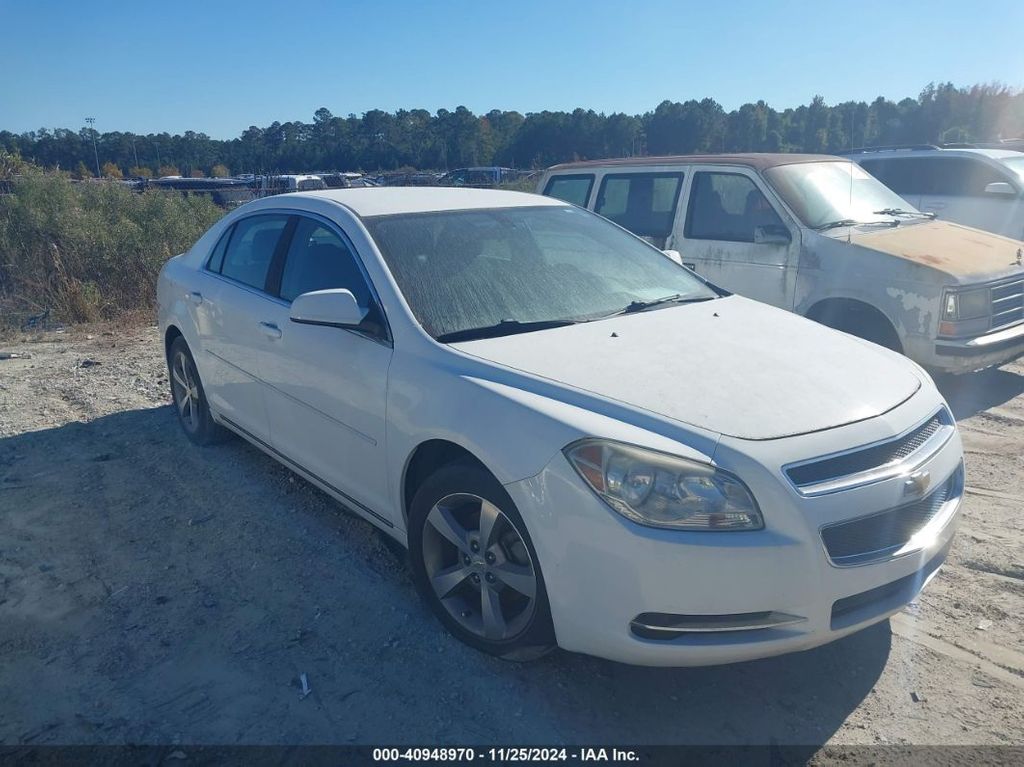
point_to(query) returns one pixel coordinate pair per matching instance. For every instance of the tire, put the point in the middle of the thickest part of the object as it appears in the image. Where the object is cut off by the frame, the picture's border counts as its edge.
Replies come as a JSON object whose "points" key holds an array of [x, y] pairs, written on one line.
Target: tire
{"points": [[189, 397], [467, 584]]}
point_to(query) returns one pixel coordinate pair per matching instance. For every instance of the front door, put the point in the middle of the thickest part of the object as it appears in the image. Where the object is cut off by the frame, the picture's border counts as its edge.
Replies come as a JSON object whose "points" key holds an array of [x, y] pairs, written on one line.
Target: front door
{"points": [[734, 236], [327, 386]]}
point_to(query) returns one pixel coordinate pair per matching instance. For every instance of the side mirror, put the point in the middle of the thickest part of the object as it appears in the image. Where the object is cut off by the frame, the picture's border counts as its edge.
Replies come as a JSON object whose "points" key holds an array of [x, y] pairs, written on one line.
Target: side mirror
{"points": [[772, 235], [336, 307], [1000, 187], [674, 255]]}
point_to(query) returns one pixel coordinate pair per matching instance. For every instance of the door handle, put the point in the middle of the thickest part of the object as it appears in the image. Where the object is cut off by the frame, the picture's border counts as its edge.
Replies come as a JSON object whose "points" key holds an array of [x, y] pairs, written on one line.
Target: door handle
{"points": [[195, 297], [270, 330]]}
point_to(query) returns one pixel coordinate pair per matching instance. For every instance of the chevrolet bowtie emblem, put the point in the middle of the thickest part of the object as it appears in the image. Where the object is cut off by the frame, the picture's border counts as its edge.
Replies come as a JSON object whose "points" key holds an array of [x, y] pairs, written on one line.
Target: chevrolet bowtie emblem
{"points": [[917, 484]]}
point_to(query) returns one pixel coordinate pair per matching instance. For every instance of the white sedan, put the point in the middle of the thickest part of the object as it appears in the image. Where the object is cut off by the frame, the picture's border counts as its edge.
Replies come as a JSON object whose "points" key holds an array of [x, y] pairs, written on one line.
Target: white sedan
{"points": [[580, 442]]}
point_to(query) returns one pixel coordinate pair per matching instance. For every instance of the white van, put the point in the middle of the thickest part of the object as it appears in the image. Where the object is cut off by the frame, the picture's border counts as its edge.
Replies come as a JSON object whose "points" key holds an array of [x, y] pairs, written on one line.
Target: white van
{"points": [[819, 236], [983, 188]]}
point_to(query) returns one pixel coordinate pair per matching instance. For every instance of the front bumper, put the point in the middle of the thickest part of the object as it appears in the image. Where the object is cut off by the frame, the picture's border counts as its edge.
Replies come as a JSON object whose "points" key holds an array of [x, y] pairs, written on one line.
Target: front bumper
{"points": [[602, 572], [963, 356]]}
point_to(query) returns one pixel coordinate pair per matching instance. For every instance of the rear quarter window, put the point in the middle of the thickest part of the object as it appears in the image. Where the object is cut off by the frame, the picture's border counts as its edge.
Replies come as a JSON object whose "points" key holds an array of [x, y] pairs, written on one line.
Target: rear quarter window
{"points": [[574, 190]]}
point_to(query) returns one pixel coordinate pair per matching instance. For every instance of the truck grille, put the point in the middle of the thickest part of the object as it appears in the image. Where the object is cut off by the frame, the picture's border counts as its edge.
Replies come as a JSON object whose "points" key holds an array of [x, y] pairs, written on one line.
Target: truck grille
{"points": [[1007, 303], [871, 463], [877, 536]]}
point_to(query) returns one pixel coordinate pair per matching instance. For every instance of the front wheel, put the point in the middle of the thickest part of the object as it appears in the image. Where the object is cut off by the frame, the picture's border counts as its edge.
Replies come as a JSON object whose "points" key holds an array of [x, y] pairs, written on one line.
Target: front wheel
{"points": [[474, 564]]}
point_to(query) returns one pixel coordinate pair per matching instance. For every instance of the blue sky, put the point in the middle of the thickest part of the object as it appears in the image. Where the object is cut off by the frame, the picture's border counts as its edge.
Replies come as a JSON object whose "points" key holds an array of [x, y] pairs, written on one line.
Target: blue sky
{"points": [[218, 66]]}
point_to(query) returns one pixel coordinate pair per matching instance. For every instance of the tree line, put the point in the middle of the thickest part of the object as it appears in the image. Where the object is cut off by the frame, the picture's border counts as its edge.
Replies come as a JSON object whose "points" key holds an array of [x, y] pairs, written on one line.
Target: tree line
{"points": [[383, 141]]}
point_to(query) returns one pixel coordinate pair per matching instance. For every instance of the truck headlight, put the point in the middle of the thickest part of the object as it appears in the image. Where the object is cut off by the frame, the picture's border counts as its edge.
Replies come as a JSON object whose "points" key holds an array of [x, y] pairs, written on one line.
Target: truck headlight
{"points": [[966, 304], [660, 490]]}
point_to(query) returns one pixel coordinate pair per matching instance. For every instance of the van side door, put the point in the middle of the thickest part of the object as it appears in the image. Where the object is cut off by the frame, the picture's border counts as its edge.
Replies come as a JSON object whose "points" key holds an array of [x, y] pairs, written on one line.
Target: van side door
{"points": [[736, 236], [956, 191]]}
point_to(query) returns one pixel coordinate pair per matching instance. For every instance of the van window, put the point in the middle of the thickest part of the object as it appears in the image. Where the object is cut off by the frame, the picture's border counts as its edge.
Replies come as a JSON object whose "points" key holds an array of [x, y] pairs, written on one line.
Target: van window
{"points": [[318, 259], [897, 173], [251, 249], [574, 190], [957, 176], [643, 203], [728, 206]]}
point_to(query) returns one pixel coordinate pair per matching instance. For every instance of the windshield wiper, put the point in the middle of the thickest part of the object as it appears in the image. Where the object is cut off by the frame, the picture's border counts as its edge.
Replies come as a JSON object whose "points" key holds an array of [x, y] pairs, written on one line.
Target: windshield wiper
{"points": [[503, 328], [675, 298], [902, 212], [852, 222]]}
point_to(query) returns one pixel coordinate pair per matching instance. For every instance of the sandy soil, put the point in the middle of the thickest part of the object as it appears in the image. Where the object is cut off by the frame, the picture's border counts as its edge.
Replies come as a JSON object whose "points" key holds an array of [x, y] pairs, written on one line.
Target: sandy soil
{"points": [[154, 592]]}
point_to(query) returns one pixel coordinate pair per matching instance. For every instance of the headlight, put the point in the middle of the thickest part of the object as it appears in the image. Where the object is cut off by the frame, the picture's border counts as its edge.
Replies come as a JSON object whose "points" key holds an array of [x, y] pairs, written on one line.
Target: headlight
{"points": [[966, 304], [662, 490]]}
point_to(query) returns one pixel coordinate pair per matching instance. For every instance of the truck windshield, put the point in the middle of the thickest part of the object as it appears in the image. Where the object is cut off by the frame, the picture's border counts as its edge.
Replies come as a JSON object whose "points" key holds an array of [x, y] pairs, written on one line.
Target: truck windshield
{"points": [[498, 271], [823, 193]]}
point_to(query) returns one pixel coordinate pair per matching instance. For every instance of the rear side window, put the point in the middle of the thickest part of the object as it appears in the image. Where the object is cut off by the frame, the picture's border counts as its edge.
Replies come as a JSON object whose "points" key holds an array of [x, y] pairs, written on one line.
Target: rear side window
{"points": [[728, 206], [251, 249], [643, 203], [897, 174], [318, 259], [942, 176], [217, 257], [574, 190]]}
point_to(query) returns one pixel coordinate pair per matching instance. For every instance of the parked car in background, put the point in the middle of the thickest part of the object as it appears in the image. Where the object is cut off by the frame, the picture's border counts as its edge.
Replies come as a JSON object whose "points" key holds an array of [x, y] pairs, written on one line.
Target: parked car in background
{"points": [[225, 192], [819, 236], [481, 178], [289, 182], [573, 435], [983, 188]]}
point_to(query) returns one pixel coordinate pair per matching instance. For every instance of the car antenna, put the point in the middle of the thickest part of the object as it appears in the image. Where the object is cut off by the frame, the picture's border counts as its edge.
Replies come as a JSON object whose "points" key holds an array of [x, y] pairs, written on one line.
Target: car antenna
{"points": [[849, 230]]}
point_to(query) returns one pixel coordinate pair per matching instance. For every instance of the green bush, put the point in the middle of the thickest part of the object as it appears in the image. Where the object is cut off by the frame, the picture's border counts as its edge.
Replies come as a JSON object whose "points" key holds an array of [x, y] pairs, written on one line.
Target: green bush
{"points": [[88, 251]]}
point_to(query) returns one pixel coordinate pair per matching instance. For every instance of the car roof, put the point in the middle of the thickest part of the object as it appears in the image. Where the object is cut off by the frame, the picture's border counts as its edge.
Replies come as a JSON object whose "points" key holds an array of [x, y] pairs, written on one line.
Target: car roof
{"points": [[391, 200], [995, 154], [758, 160]]}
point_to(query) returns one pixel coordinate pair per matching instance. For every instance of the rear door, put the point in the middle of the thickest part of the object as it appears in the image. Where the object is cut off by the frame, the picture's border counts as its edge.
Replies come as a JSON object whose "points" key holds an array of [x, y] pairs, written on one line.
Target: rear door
{"points": [[734, 235], [229, 305], [327, 386]]}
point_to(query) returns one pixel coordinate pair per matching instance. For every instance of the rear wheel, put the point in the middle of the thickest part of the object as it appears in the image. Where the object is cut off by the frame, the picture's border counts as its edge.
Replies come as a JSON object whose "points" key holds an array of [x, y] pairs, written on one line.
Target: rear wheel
{"points": [[475, 565], [189, 397]]}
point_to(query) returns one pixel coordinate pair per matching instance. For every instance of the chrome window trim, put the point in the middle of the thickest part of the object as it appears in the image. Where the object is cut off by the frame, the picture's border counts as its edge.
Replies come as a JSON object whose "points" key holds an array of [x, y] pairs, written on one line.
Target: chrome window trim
{"points": [[930, 447]]}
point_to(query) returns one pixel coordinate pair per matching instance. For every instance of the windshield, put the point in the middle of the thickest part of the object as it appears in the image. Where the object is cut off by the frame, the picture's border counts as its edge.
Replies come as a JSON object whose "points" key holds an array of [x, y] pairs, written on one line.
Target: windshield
{"points": [[461, 270], [821, 193], [1016, 164]]}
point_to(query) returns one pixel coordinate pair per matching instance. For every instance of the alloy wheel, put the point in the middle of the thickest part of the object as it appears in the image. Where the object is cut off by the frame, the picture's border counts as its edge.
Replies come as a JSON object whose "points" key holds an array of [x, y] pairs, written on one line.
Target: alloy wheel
{"points": [[186, 391], [479, 567]]}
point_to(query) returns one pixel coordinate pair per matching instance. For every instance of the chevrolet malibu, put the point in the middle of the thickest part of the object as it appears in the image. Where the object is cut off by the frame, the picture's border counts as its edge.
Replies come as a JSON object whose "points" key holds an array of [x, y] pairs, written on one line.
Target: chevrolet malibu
{"points": [[580, 442]]}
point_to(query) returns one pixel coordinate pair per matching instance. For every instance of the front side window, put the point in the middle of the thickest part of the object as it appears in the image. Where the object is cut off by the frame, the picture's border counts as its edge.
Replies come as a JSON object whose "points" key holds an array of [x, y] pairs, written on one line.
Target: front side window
{"points": [[318, 259], [831, 192], [574, 190], [251, 249], [461, 270], [729, 206], [643, 203]]}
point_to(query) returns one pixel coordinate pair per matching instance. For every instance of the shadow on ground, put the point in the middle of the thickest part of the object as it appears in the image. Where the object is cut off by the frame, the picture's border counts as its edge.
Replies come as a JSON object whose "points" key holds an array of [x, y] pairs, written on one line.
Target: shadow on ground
{"points": [[973, 393], [154, 592]]}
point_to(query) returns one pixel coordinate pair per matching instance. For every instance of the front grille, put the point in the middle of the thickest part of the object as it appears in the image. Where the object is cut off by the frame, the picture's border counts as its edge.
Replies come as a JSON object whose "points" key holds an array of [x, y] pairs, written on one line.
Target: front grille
{"points": [[870, 463], [1007, 303], [877, 536]]}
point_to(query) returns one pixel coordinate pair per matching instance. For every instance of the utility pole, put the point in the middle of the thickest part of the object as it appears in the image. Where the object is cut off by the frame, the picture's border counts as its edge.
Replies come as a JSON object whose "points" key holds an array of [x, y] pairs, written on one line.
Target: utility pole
{"points": [[95, 151]]}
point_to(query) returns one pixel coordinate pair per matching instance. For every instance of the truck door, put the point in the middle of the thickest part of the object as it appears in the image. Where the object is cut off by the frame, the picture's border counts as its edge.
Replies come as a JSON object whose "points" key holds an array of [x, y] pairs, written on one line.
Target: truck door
{"points": [[734, 235]]}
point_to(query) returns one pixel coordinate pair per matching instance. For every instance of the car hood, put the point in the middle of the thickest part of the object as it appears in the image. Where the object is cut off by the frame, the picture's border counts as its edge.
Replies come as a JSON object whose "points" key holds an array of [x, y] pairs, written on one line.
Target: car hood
{"points": [[957, 250], [730, 366]]}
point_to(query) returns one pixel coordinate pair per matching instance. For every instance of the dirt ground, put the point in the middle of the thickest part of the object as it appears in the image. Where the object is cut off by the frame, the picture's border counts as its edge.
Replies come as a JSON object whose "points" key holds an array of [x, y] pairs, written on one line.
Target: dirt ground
{"points": [[155, 592]]}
